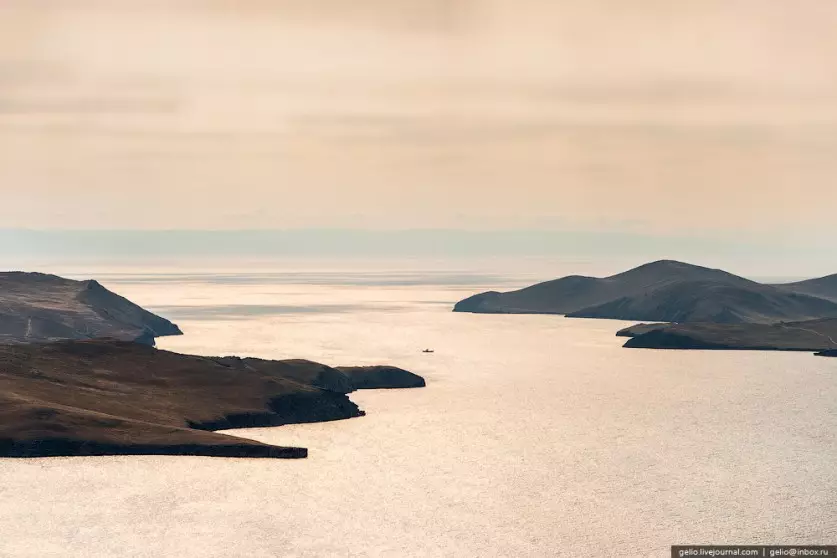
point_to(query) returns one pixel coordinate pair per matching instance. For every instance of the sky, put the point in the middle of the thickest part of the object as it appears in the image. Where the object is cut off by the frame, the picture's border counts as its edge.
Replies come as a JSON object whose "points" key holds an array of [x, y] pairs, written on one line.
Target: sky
{"points": [[702, 118]]}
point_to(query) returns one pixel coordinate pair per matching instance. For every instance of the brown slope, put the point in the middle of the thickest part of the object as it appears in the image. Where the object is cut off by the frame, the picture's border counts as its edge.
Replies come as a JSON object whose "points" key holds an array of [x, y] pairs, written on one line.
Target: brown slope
{"points": [[113, 397], [37, 307]]}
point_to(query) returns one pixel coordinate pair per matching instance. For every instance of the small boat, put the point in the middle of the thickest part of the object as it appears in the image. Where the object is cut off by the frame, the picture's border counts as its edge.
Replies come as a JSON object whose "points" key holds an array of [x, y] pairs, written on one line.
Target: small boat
{"points": [[428, 351]]}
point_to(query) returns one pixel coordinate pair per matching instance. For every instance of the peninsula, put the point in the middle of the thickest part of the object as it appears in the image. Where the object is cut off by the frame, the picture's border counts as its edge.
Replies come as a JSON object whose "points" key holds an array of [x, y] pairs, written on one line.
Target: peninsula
{"points": [[110, 397], [810, 336], [36, 307]]}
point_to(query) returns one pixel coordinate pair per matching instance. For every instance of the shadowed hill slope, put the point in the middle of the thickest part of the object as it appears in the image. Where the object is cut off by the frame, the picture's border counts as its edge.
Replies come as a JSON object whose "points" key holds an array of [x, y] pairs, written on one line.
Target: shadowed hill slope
{"points": [[660, 291], [36, 307], [823, 287], [113, 397], [712, 301]]}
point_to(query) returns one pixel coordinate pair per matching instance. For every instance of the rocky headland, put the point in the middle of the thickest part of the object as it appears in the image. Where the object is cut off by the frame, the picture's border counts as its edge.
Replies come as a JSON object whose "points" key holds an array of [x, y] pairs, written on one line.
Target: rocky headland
{"points": [[36, 307], [111, 397], [380, 377], [79, 375]]}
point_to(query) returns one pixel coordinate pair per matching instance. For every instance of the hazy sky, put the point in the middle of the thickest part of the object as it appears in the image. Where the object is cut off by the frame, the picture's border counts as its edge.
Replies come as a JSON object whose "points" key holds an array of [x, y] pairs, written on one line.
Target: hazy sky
{"points": [[660, 116]]}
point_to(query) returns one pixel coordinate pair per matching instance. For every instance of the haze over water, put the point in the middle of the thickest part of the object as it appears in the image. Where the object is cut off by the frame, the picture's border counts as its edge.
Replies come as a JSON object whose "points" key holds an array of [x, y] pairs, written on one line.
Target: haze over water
{"points": [[536, 435], [700, 117]]}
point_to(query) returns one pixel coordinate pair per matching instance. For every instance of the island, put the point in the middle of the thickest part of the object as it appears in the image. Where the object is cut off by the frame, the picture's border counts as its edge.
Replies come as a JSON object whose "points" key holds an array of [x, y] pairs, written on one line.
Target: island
{"points": [[666, 291], [116, 397], [37, 307]]}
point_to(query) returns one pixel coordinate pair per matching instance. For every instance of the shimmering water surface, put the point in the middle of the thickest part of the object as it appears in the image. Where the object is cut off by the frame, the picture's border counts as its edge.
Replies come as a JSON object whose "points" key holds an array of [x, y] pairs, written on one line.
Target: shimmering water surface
{"points": [[536, 436]]}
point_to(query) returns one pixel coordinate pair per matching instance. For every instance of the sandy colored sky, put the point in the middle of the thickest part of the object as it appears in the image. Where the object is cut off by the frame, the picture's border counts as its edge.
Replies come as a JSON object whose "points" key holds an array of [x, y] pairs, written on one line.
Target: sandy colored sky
{"points": [[649, 115]]}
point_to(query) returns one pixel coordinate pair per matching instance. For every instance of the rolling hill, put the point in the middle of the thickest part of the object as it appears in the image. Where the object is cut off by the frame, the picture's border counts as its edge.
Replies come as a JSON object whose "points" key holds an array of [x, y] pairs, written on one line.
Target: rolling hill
{"points": [[823, 287], [665, 291]]}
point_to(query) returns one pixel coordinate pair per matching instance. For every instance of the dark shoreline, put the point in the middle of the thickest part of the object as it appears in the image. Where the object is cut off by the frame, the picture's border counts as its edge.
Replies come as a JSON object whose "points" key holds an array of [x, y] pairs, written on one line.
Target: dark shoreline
{"points": [[810, 336], [74, 448]]}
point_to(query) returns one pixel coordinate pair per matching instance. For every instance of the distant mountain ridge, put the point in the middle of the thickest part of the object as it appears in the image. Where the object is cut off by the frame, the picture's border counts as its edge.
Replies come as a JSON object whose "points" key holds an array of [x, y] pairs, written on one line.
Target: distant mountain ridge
{"points": [[37, 307], [664, 291]]}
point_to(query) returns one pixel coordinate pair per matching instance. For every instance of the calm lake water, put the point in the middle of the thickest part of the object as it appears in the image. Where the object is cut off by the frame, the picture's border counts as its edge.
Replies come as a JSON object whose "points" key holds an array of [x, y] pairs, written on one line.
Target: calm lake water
{"points": [[536, 436]]}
